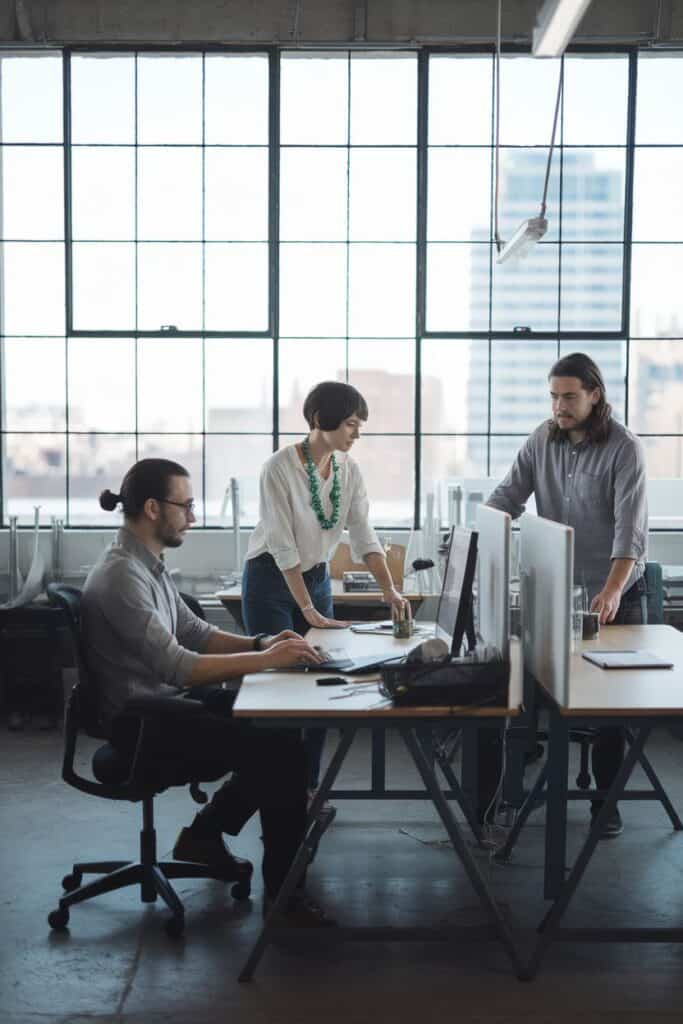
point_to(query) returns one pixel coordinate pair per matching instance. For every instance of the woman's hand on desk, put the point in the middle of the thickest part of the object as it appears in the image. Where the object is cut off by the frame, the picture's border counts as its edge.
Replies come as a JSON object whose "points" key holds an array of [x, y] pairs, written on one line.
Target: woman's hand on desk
{"points": [[292, 651], [400, 606], [318, 621]]}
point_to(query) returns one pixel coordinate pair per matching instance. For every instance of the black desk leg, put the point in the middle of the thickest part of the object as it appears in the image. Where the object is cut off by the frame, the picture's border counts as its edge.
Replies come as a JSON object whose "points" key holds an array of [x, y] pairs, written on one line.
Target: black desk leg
{"points": [[315, 827], [550, 923], [533, 800], [378, 738], [658, 788], [442, 759], [460, 846], [556, 805]]}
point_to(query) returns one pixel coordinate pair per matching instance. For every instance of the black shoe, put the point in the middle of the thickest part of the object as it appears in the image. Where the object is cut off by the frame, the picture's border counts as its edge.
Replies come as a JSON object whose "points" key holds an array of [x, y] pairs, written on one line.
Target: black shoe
{"points": [[614, 825], [303, 912], [213, 852]]}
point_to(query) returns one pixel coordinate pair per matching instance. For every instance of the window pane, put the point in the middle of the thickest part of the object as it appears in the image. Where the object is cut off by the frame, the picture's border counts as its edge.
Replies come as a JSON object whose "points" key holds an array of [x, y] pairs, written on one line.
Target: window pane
{"points": [[169, 385], [32, 192], [31, 98], [593, 194], [664, 458], [528, 91], [103, 193], [303, 364], [188, 450], [446, 379], [236, 98], [103, 287], [522, 176], [241, 457], [458, 278], [595, 99], [314, 100], [656, 295], [170, 99], [525, 292], [236, 287], [24, 264], [103, 98], [312, 290], [34, 473], [591, 287], [34, 393], [382, 195], [660, 80], [102, 384], [656, 388], [657, 195], [96, 462], [503, 453], [476, 401], [243, 400], [384, 373], [313, 187], [447, 459], [236, 194], [611, 358], [170, 194], [169, 286], [460, 99], [388, 468], [382, 290], [459, 212], [519, 384], [383, 100]]}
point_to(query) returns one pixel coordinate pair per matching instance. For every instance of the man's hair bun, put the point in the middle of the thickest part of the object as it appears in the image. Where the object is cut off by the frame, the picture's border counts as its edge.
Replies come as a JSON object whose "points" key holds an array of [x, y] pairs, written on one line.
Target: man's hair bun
{"points": [[109, 500]]}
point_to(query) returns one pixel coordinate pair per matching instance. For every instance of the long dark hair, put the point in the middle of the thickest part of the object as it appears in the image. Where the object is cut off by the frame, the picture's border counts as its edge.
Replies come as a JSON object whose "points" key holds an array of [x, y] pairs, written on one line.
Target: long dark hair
{"points": [[334, 402], [148, 478], [598, 424]]}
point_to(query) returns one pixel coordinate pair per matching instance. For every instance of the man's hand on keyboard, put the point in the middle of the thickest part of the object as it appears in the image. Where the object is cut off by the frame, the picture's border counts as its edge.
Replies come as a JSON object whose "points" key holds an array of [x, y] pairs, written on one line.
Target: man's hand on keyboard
{"points": [[290, 652], [318, 621]]}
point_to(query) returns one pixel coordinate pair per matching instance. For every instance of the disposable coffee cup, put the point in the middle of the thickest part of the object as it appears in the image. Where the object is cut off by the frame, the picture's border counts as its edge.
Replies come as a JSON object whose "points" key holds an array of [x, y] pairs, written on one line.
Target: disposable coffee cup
{"points": [[402, 628], [591, 625]]}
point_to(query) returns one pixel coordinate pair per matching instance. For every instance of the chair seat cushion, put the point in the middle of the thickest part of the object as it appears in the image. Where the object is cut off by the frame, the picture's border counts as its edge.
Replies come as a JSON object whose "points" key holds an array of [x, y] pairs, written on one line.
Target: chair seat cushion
{"points": [[111, 767]]}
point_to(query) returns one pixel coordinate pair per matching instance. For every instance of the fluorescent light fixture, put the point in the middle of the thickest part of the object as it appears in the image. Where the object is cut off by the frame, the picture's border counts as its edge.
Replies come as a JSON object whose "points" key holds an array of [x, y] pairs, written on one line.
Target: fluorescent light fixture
{"points": [[555, 25], [527, 234]]}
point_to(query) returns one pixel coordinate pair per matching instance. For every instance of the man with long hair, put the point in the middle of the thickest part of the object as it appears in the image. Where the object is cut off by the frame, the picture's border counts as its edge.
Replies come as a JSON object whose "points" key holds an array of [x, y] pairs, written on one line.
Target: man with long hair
{"points": [[587, 470]]}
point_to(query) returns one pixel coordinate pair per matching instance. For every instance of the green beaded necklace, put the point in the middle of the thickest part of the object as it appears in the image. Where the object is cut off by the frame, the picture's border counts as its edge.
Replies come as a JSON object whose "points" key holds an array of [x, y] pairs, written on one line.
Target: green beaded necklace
{"points": [[335, 493]]}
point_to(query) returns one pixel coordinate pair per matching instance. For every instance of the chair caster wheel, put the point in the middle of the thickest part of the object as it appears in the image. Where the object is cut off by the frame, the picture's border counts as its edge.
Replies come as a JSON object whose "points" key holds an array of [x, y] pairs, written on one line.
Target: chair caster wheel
{"points": [[71, 882], [241, 891], [58, 919], [174, 927]]}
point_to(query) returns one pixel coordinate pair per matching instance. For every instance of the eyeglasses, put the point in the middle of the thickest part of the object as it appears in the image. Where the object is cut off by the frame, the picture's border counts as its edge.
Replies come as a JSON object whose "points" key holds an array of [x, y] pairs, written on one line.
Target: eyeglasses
{"points": [[187, 505]]}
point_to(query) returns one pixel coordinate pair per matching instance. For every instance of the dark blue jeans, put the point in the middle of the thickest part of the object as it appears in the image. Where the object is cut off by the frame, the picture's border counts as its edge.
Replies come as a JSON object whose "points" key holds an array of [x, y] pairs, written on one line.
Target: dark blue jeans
{"points": [[268, 607]]}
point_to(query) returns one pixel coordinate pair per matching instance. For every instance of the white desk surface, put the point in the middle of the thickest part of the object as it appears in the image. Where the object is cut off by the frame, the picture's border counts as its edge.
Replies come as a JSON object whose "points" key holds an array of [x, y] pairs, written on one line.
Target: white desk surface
{"points": [[296, 695], [601, 691], [234, 593]]}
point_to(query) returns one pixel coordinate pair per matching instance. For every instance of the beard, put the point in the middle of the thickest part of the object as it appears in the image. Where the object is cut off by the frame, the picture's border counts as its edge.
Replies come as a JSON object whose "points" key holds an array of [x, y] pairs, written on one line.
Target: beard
{"points": [[168, 535]]}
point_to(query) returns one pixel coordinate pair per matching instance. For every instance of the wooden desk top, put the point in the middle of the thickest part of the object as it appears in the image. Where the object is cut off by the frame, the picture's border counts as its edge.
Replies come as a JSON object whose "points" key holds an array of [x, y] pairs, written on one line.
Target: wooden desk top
{"points": [[296, 695], [598, 691], [371, 597]]}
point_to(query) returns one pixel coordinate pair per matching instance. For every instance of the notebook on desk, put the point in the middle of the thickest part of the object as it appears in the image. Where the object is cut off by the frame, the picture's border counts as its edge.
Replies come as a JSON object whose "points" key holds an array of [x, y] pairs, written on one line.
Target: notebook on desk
{"points": [[626, 659]]}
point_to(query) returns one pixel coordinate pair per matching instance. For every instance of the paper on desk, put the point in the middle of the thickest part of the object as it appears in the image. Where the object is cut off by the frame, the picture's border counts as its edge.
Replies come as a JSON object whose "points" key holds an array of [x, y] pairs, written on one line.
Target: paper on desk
{"points": [[33, 584]]}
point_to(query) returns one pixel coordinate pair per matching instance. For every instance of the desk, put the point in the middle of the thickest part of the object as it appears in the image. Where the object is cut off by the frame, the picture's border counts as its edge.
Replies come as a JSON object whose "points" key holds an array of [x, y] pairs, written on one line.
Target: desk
{"points": [[639, 700], [293, 698]]}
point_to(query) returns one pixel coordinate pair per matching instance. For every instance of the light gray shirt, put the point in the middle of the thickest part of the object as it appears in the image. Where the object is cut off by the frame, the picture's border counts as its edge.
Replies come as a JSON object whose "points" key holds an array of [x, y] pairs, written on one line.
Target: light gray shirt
{"points": [[141, 639], [598, 489]]}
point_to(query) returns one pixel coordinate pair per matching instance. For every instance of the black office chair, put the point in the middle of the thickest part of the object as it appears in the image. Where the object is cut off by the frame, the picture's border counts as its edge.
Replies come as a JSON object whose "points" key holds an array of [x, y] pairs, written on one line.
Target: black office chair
{"points": [[117, 776]]}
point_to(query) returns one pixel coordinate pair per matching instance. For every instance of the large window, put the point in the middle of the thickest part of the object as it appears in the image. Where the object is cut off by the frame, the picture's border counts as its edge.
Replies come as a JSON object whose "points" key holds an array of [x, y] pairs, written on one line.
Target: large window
{"points": [[191, 240]]}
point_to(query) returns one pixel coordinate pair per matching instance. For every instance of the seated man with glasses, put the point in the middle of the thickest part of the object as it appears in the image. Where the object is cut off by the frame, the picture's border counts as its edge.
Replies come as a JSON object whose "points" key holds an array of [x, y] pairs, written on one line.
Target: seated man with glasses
{"points": [[141, 640]]}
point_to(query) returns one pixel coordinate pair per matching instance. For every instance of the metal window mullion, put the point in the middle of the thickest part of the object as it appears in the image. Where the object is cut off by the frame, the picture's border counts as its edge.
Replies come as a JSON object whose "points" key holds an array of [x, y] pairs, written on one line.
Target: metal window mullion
{"points": [[420, 265], [68, 264], [203, 264], [347, 268], [135, 247], [489, 340], [628, 219], [274, 71]]}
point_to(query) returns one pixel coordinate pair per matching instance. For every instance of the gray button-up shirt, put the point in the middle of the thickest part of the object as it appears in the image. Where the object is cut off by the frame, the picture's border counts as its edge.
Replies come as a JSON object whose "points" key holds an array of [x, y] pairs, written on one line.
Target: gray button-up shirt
{"points": [[141, 638], [598, 489]]}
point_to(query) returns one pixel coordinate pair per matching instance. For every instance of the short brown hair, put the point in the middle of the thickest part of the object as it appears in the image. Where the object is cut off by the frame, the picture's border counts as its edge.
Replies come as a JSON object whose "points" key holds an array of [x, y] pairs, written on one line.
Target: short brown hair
{"points": [[334, 402]]}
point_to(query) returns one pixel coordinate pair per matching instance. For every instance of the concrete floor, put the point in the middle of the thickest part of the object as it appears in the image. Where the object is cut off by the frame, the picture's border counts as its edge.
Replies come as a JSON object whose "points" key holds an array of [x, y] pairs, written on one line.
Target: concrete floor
{"points": [[380, 863]]}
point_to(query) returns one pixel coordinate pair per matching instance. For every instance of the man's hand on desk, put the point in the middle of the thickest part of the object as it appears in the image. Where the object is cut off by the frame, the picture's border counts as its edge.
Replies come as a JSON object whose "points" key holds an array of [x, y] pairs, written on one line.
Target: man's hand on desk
{"points": [[607, 604], [317, 621], [292, 651]]}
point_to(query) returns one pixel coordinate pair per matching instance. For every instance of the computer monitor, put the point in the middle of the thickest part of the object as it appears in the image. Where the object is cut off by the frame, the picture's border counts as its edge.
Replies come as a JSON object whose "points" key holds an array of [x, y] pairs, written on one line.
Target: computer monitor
{"points": [[455, 601], [493, 577]]}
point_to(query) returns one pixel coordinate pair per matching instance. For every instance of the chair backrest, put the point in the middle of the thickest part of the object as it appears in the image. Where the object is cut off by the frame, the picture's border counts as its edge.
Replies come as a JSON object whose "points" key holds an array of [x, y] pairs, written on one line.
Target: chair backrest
{"points": [[655, 593], [341, 562], [193, 604], [69, 600]]}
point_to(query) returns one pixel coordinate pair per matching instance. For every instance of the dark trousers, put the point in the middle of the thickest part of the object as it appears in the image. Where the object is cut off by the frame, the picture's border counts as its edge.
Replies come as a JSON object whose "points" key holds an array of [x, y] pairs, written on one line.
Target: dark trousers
{"points": [[268, 607], [268, 765]]}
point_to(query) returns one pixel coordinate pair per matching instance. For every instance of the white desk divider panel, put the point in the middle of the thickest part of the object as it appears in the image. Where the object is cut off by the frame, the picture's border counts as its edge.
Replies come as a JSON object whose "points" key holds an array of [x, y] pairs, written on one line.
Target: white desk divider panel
{"points": [[516, 684], [546, 566], [493, 577]]}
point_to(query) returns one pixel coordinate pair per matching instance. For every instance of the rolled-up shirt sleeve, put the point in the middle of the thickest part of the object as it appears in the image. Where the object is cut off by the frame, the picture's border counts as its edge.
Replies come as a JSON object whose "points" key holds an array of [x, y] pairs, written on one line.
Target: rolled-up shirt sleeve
{"points": [[630, 503], [362, 535], [191, 631], [276, 515], [511, 494], [132, 615]]}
